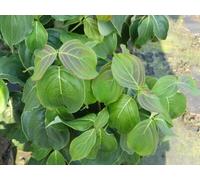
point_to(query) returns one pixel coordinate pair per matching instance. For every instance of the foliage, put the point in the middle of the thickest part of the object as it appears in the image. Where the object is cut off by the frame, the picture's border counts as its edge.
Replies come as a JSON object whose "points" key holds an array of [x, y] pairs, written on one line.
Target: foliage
{"points": [[82, 97]]}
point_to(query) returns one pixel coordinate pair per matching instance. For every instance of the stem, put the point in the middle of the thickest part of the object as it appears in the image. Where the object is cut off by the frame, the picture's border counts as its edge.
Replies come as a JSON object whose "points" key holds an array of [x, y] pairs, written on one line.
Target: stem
{"points": [[80, 23], [26, 69], [12, 49]]}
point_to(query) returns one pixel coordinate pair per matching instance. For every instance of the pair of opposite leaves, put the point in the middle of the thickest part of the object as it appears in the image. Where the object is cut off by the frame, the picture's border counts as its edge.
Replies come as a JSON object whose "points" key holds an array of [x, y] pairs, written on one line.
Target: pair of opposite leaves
{"points": [[80, 64]]}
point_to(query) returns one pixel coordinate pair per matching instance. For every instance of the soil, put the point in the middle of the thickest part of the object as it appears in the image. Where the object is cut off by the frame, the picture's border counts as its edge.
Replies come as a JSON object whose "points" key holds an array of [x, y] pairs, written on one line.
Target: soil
{"points": [[7, 152]]}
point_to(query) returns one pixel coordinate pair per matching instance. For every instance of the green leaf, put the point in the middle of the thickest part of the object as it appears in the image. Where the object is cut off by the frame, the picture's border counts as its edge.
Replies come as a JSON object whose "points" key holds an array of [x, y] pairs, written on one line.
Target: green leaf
{"points": [[166, 86], [75, 21], [89, 96], [150, 81], [124, 114], [25, 56], [160, 26], [29, 96], [14, 29], [43, 60], [82, 123], [105, 88], [55, 158], [78, 59], [176, 105], [45, 19], [102, 119], [143, 139], [104, 17], [94, 152], [58, 89], [58, 138], [64, 17], [4, 96], [67, 36], [118, 21], [54, 37], [128, 71], [123, 144], [106, 47], [81, 146], [133, 30], [33, 125], [11, 69], [145, 31], [163, 127], [38, 37], [91, 29], [187, 84], [39, 153], [62, 113], [105, 27], [108, 142], [150, 102]]}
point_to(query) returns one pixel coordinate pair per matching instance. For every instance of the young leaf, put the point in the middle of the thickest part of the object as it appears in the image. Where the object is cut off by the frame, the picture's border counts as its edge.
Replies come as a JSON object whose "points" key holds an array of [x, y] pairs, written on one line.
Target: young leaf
{"points": [[143, 139], [128, 71], [4, 96], [14, 29], [166, 86], [160, 26], [124, 114], [102, 119], [105, 88], [55, 158], [78, 59], [145, 31], [43, 60], [38, 37], [91, 29], [108, 142], [58, 88], [81, 146]]}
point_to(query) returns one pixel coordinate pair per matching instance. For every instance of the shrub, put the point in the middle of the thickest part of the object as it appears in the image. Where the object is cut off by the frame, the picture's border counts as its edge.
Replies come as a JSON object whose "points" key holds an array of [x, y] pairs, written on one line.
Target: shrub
{"points": [[75, 93]]}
